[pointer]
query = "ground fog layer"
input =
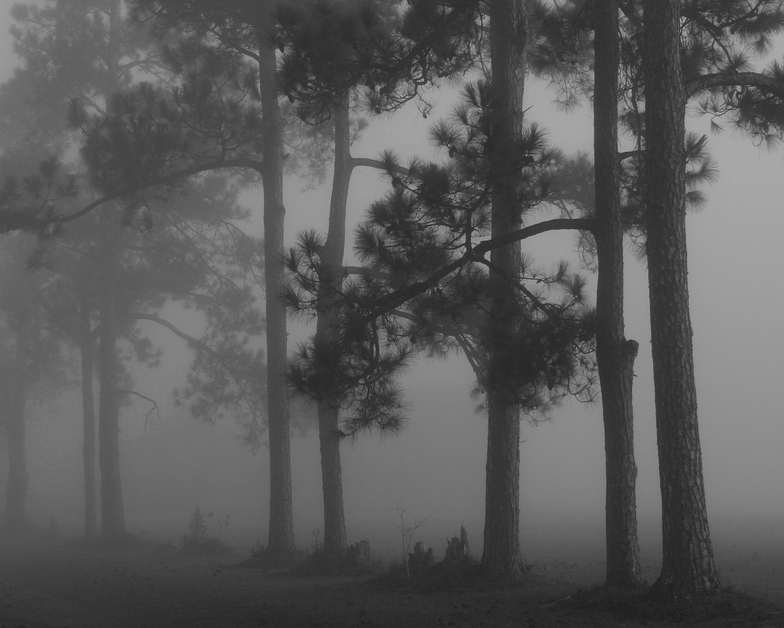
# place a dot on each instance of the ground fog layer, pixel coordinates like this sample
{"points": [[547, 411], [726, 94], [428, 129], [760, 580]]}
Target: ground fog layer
{"points": [[57, 584]]}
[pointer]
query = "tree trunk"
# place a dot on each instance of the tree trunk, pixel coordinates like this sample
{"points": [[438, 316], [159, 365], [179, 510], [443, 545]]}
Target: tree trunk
{"points": [[16, 491], [508, 37], [88, 422], [331, 277], [281, 526], [614, 354], [688, 568], [112, 516], [501, 550]]}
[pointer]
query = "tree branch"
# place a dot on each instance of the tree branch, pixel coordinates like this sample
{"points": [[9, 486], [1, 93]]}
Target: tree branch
{"points": [[187, 172], [367, 162], [190, 340], [399, 297], [734, 79], [370, 273], [153, 411]]}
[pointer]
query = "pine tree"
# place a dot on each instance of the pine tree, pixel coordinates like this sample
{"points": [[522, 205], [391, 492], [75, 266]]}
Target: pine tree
{"points": [[423, 286], [245, 30], [690, 49], [715, 69], [32, 356], [614, 353], [96, 52], [76, 31], [22, 326], [330, 66]]}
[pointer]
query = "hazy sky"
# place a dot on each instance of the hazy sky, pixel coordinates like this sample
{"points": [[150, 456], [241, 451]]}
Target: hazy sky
{"points": [[437, 466]]}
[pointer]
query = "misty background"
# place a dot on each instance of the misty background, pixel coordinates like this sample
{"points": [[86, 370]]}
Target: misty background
{"points": [[171, 462]]}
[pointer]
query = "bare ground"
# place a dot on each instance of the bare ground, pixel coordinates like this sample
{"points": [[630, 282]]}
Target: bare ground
{"points": [[45, 585]]}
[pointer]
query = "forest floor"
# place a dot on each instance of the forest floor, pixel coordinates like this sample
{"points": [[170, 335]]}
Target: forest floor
{"points": [[59, 584]]}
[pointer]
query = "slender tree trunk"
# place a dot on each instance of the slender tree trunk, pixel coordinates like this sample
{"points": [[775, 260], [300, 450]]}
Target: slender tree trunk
{"points": [[112, 516], [87, 351], [281, 526], [331, 276], [508, 37], [16, 491], [688, 568], [615, 355]]}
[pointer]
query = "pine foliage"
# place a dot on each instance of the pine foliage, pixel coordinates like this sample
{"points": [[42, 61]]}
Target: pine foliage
{"points": [[422, 289]]}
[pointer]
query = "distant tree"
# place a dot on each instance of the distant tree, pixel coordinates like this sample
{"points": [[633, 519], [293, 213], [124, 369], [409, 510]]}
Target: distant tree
{"points": [[245, 30], [22, 326], [68, 295], [32, 353], [86, 50], [87, 259]]}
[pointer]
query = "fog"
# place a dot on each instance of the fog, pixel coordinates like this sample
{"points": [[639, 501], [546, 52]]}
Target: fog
{"points": [[172, 463]]}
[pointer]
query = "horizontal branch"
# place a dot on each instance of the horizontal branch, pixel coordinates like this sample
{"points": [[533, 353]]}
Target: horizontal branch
{"points": [[630, 154], [734, 79], [138, 394], [379, 165], [171, 327], [195, 342], [399, 297], [556, 224], [370, 273], [180, 174]]}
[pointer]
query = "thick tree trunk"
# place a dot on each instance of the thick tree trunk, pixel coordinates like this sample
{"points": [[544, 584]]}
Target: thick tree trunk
{"points": [[16, 491], [501, 551], [508, 36], [614, 354], [112, 516], [281, 525], [331, 270], [688, 568], [87, 351]]}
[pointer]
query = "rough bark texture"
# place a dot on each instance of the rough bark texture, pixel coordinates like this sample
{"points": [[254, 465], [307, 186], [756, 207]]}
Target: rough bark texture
{"points": [[16, 490], [615, 355], [508, 35], [688, 568], [113, 531], [281, 526], [87, 352], [331, 275]]}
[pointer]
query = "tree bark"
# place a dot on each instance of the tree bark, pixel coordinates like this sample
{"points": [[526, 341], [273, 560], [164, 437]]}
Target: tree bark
{"points": [[688, 568], [281, 526], [87, 351], [614, 354], [331, 277], [508, 38], [113, 531], [16, 491]]}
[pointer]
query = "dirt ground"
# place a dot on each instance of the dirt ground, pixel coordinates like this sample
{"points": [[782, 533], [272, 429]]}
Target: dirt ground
{"points": [[54, 585]]}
